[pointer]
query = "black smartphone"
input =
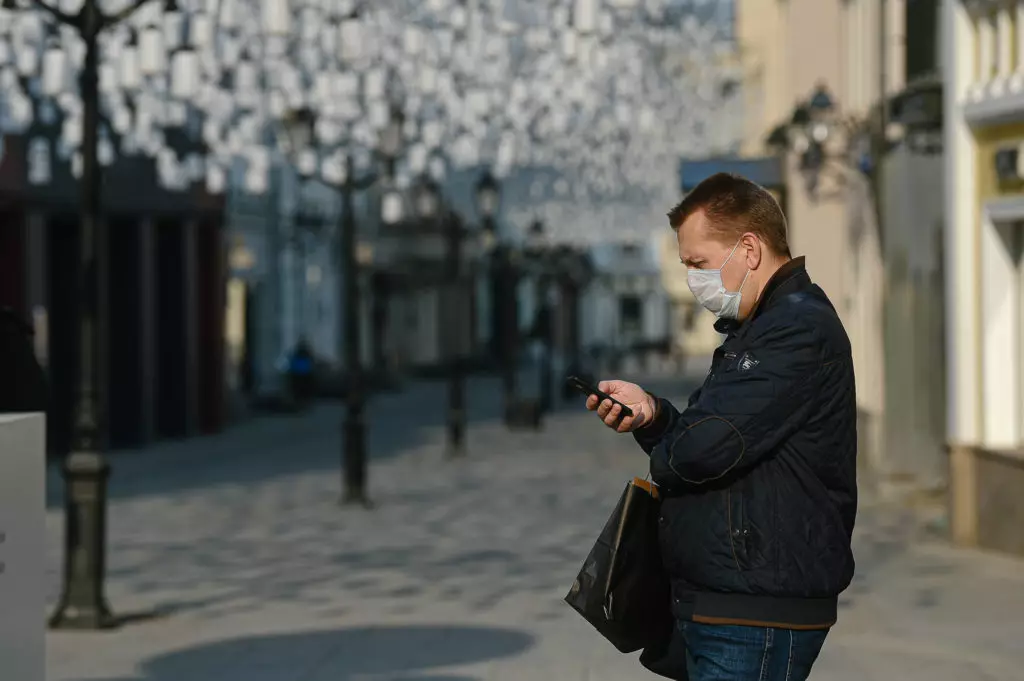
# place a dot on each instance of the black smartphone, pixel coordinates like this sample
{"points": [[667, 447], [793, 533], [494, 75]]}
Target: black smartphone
{"points": [[591, 389]]}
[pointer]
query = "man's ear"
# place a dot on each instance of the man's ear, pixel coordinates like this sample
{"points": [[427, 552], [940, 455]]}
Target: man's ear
{"points": [[754, 249]]}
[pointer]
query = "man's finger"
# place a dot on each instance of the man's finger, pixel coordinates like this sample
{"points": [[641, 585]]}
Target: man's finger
{"points": [[592, 402], [613, 415], [605, 386], [626, 424], [604, 408]]}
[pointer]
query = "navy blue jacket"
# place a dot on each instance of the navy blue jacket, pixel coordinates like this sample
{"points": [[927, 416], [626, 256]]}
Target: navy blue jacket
{"points": [[759, 472]]}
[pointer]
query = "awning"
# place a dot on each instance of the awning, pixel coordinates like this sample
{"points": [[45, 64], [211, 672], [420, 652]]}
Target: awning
{"points": [[766, 171]]}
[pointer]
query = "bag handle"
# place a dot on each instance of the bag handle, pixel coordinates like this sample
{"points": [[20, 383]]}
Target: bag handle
{"points": [[647, 485]]}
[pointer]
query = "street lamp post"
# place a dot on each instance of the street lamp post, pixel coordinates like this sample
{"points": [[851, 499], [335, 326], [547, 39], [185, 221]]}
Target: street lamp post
{"points": [[82, 604], [507, 324], [354, 428], [573, 278], [540, 255], [488, 197], [300, 128], [504, 303], [546, 337], [456, 371], [390, 145], [450, 311]]}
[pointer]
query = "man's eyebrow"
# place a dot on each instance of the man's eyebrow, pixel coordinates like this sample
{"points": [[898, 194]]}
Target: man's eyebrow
{"points": [[692, 261]]}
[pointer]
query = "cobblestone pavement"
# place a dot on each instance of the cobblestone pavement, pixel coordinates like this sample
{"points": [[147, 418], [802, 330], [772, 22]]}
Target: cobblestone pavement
{"points": [[237, 564]]}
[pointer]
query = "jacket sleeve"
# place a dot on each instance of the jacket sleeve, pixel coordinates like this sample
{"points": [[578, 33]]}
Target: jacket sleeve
{"points": [[739, 416]]}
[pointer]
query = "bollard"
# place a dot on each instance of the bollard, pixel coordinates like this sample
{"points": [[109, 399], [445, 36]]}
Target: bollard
{"points": [[22, 545], [82, 603]]}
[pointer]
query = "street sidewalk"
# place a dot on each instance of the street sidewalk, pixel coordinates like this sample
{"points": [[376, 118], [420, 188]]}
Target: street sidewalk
{"points": [[239, 565]]}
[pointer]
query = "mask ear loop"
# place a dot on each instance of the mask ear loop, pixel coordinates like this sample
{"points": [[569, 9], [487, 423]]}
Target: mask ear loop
{"points": [[731, 253], [744, 282]]}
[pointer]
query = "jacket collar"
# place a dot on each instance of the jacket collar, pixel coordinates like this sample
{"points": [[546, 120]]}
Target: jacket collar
{"points": [[789, 278]]}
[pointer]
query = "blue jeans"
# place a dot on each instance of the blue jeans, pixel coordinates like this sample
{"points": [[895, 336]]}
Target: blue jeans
{"points": [[721, 652]]}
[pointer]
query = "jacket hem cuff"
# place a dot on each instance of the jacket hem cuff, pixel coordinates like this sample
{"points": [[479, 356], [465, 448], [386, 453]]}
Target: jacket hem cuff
{"points": [[651, 433]]}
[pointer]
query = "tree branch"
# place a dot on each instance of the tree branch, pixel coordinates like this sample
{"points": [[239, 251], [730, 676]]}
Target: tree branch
{"points": [[62, 17], [118, 17]]}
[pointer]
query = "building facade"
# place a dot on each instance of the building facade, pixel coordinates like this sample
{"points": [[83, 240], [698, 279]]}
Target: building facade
{"points": [[843, 214], [984, 196], [283, 281], [625, 310], [160, 297]]}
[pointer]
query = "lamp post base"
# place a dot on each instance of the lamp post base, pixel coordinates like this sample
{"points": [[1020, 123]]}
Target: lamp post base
{"points": [[354, 483], [523, 413], [95, 617], [354, 497], [456, 434], [82, 605]]}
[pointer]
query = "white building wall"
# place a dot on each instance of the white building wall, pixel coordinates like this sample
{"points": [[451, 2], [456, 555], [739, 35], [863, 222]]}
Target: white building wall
{"points": [[1000, 347], [962, 313]]}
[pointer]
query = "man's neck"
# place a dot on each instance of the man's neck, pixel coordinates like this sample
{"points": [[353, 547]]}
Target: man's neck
{"points": [[770, 267]]}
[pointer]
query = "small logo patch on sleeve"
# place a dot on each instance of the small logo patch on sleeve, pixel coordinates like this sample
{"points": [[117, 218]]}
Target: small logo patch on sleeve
{"points": [[748, 362]]}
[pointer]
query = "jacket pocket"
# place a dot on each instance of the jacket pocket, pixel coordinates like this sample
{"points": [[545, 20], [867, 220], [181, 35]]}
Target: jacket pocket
{"points": [[737, 526]]}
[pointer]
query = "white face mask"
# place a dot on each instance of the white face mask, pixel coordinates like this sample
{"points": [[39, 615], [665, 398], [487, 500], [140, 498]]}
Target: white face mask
{"points": [[709, 290]]}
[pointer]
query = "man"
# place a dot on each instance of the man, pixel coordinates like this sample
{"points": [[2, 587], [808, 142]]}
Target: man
{"points": [[758, 473]]}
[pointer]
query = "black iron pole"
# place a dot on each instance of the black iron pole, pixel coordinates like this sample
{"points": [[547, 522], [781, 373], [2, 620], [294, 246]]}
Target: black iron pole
{"points": [[379, 314], [82, 603], [575, 345], [354, 454], [571, 325], [455, 313], [546, 337], [496, 343], [510, 330]]}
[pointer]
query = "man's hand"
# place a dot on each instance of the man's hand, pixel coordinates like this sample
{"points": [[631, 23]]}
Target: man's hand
{"points": [[631, 395]]}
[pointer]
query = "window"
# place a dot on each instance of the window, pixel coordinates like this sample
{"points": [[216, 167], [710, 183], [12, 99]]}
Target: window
{"points": [[631, 315], [922, 44]]}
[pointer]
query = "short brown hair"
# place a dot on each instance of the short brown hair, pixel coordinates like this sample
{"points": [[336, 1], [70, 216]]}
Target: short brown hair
{"points": [[734, 205]]}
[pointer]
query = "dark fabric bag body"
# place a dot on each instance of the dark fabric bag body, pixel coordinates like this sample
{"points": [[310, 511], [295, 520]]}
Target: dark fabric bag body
{"points": [[622, 588], [667, 657]]}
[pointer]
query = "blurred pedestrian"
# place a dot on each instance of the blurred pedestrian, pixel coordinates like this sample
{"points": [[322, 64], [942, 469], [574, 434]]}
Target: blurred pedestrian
{"points": [[300, 373], [758, 473], [23, 385]]}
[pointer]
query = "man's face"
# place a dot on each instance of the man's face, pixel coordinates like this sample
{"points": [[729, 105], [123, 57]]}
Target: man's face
{"points": [[701, 249]]}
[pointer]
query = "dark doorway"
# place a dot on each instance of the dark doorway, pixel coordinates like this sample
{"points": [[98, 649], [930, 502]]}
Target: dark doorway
{"points": [[631, 316], [62, 275], [126, 424], [12, 261], [247, 369], [171, 331], [210, 321]]}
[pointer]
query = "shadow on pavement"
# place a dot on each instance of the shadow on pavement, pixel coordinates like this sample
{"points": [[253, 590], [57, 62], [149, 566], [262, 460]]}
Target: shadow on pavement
{"points": [[401, 653]]}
